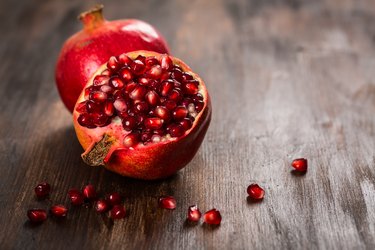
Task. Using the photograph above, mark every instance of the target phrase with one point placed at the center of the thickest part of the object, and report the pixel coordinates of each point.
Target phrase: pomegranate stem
(92, 18)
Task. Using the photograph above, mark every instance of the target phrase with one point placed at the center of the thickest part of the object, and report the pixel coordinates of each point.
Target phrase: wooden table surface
(287, 78)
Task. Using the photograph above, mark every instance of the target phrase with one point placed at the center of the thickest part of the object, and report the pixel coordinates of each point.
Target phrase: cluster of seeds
(152, 97)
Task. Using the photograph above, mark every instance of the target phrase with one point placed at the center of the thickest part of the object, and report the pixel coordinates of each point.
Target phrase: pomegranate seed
(167, 202)
(156, 138)
(212, 217)
(107, 89)
(191, 87)
(118, 212)
(186, 77)
(85, 120)
(175, 95)
(146, 136)
(194, 214)
(124, 60)
(114, 198)
(113, 64)
(153, 123)
(199, 106)
(137, 67)
(186, 123)
(166, 62)
(155, 72)
(198, 97)
(255, 191)
(141, 58)
(130, 87)
(177, 74)
(169, 104)
(141, 107)
(98, 96)
(59, 211)
(89, 192)
(166, 87)
(109, 109)
(126, 74)
(152, 98)
(116, 82)
(100, 80)
(101, 206)
(75, 196)
(180, 113)
(37, 215)
(163, 113)
(144, 81)
(131, 140)
(120, 105)
(151, 61)
(81, 107)
(300, 164)
(129, 123)
(176, 130)
(138, 93)
(92, 107)
(42, 189)
(99, 119)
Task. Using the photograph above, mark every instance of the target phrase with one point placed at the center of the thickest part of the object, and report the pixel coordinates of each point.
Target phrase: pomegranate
(300, 164)
(142, 115)
(83, 53)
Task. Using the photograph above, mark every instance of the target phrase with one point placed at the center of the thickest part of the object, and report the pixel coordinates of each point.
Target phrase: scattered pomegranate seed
(37, 215)
(300, 164)
(114, 198)
(101, 206)
(42, 189)
(167, 202)
(212, 217)
(194, 214)
(255, 191)
(59, 211)
(118, 212)
(75, 196)
(89, 192)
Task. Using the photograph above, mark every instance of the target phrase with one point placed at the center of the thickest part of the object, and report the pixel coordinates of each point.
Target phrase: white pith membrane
(192, 100)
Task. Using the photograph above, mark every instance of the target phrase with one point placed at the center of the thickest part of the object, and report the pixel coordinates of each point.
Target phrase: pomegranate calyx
(92, 18)
(97, 154)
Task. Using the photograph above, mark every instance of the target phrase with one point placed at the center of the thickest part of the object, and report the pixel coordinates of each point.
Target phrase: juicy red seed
(37, 215)
(116, 82)
(176, 130)
(126, 74)
(180, 113)
(156, 138)
(98, 96)
(92, 107)
(42, 189)
(75, 196)
(129, 123)
(140, 118)
(194, 214)
(163, 113)
(130, 87)
(151, 61)
(137, 67)
(146, 136)
(99, 119)
(160, 132)
(101, 206)
(255, 191)
(141, 107)
(109, 109)
(164, 76)
(144, 81)
(118, 212)
(85, 120)
(107, 89)
(155, 72)
(81, 107)
(88, 91)
(131, 140)
(212, 217)
(198, 97)
(166, 62)
(100, 80)
(124, 59)
(141, 58)
(177, 74)
(114, 198)
(186, 77)
(300, 164)
(152, 98)
(167, 202)
(169, 104)
(138, 93)
(153, 123)
(166, 87)
(186, 123)
(59, 211)
(199, 106)
(175, 95)
(89, 192)
(191, 87)
(113, 63)
(120, 105)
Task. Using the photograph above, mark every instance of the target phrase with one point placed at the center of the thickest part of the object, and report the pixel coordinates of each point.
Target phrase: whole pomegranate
(85, 51)
(142, 115)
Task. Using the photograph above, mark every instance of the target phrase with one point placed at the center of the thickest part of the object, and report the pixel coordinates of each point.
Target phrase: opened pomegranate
(85, 51)
(142, 115)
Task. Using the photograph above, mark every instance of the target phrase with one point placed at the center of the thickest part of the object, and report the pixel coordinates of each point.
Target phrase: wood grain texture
(287, 78)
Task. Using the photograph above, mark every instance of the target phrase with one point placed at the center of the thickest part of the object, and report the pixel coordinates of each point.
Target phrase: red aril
(76, 197)
(118, 212)
(194, 214)
(212, 217)
(114, 198)
(167, 202)
(153, 130)
(101, 206)
(59, 211)
(84, 52)
(37, 215)
(300, 164)
(255, 191)
(89, 192)
(42, 189)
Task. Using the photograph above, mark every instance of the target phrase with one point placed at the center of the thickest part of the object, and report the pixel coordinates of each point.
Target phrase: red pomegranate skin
(83, 53)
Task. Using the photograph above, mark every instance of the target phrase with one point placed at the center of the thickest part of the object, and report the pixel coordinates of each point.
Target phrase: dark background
(288, 79)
